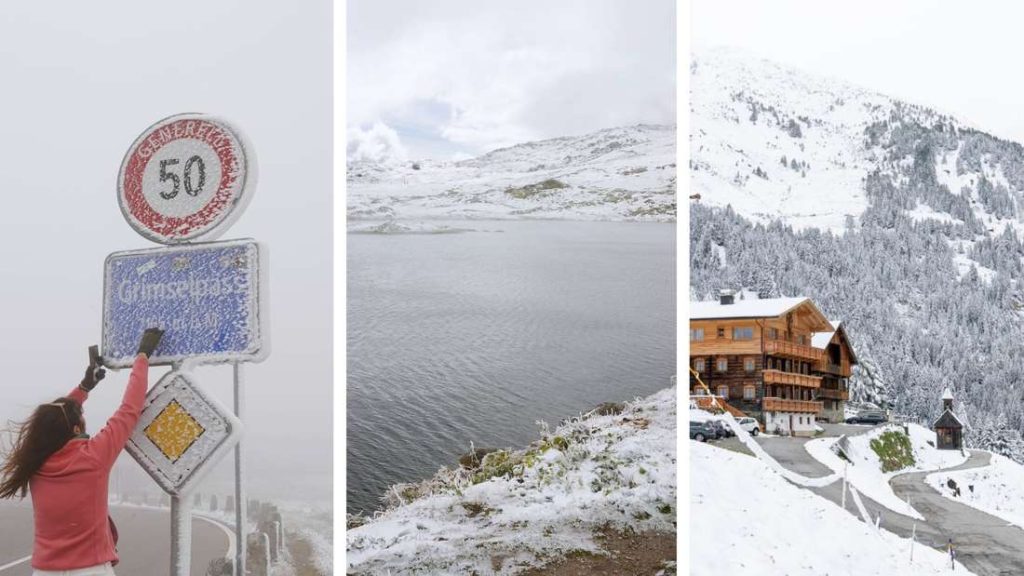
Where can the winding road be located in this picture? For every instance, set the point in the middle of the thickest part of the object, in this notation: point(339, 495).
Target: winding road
point(144, 547)
point(986, 545)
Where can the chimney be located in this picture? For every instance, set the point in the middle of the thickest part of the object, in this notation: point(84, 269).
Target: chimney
point(947, 400)
point(726, 297)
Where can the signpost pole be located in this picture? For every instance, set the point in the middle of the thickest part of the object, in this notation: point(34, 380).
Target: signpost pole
point(181, 535)
point(240, 496)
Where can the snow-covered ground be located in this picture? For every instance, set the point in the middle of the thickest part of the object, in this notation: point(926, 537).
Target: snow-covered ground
point(530, 506)
point(745, 519)
point(997, 488)
point(864, 470)
point(626, 173)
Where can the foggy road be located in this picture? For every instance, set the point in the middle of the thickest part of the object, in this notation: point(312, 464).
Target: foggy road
point(144, 545)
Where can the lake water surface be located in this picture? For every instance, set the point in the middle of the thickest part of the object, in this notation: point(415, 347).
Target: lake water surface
point(476, 336)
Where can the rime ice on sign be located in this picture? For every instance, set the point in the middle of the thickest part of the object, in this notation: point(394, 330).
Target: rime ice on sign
point(181, 433)
point(173, 431)
point(186, 177)
point(207, 297)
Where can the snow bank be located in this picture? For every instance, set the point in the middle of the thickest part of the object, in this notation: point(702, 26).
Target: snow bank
point(864, 470)
point(997, 488)
point(745, 519)
point(546, 502)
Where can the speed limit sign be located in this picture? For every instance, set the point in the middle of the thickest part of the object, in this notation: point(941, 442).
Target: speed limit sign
point(187, 177)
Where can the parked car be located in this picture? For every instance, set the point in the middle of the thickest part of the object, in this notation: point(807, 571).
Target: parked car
point(702, 431)
point(750, 425)
point(868, 417)
point(723, 429)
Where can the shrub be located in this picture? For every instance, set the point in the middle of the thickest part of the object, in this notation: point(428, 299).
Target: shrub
point(894, 450)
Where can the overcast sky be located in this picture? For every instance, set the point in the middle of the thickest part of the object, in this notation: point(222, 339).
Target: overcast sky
point(957, 57)
point(462, 77)
point(80, 82)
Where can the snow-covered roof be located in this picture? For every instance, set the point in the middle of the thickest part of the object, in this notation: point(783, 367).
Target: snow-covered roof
point(948, 420)
point(746, 308)
point(947, 395)
point(821, 339)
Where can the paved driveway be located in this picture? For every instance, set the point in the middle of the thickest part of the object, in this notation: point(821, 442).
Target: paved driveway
point(985, 544)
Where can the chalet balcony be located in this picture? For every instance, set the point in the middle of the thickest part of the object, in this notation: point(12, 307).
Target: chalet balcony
point(832, 394)
point(786, 405)
point(791, 378)
point(786, 349)
point(830, 368)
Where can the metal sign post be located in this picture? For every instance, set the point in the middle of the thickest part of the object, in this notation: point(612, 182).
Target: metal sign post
point(181, 535)
point(185, 179)
point(241, 503)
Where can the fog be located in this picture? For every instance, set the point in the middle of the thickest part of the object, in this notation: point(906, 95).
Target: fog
point(80, 83)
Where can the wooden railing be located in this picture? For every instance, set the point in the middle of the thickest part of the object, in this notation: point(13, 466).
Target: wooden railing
point(780, 377)
point(830, 368)
point(785, 405)
point(833, 394)
point(793, 350)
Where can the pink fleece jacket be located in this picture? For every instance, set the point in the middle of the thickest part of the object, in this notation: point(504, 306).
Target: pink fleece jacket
point(69, 493)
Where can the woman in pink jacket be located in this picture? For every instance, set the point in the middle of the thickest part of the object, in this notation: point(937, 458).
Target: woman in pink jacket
point(67, 472)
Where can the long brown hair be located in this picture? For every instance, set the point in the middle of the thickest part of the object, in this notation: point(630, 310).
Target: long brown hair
point(46, 431)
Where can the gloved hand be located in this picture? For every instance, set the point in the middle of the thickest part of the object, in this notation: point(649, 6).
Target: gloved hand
point(93, 374)
point(150, 340)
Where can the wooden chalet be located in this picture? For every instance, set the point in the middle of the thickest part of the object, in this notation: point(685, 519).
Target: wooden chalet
point(759, 355)
point(835, 369)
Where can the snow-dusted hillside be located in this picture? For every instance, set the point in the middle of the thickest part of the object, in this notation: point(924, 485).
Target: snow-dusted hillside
point(749, 520)
point(774, 142)
point(626, 173)
point(529, 507)
point(748, 115)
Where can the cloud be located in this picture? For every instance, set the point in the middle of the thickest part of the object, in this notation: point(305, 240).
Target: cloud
point(484, 75)
point(379, 143)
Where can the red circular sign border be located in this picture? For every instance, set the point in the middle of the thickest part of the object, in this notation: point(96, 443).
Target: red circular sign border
point(213, 217)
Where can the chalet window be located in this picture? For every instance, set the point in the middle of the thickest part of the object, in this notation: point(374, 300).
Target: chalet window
point(773, 333)
point(697, 334)
point(698, 364)
point(802, 339)
point(723, 391)
point(722, 365)
point(749, 364)
point(721, 332)
point(749, 392)
point(742, 333)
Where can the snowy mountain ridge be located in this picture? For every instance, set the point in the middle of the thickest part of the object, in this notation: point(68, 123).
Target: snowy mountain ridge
point(626, 173)
point(774, 142)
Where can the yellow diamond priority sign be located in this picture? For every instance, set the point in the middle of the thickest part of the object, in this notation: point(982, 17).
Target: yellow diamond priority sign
point(173, 431)
point(182, 433)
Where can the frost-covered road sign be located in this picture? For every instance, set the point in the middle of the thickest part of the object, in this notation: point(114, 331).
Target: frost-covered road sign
point(186, 177)
point(207, 297)
point(181, 434)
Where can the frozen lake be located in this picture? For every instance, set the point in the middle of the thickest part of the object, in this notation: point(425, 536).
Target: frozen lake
point(475, 336)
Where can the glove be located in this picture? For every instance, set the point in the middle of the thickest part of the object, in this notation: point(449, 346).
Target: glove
point(93, 374)
point(150, 340)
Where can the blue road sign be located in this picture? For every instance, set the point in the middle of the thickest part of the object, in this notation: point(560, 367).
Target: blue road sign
point(208, 298)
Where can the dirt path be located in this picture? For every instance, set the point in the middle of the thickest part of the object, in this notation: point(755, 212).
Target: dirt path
point(644, 554)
